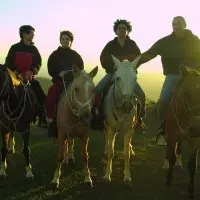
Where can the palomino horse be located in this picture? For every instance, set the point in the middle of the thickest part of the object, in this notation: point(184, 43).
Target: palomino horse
point(73, 119)
point(183, 123)
point(16, 111)
point(120, 108)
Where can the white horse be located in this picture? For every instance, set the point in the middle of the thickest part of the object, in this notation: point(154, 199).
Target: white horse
point(120, 110)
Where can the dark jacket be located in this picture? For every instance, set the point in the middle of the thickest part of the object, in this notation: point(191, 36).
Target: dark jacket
point(63, 59)
point(175, 51)
point(22, 57)
point(129, 51)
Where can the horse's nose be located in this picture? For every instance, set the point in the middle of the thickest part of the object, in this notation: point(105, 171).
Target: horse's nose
point(85, 112)
point(127, 106)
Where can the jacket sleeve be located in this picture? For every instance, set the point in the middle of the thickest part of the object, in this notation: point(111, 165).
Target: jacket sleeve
point(51, 66)
point(10, 59)
point(106, 58)
point(78, 61)
point(37, 60)
point(151, 53)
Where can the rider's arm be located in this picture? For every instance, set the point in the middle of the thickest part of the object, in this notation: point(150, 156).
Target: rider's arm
point(37, 61)
point(151, 53)
point(106, 58)
point(10, 59)
point(51, 66)
point(78, 60)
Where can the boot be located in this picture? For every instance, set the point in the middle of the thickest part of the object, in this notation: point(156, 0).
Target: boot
point(52, 129)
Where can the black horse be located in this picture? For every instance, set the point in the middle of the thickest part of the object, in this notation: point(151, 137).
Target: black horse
point(17, 105)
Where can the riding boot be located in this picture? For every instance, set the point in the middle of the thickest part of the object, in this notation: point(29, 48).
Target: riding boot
point(52, 129)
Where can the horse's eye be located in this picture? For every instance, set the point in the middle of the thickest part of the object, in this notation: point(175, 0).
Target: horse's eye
point(76, 89)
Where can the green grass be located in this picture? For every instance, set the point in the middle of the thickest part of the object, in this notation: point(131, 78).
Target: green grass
point(147, 175)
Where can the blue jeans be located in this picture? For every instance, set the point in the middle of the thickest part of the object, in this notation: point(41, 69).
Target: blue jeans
point(104, 82)
point(108, 79)
point(166, 94)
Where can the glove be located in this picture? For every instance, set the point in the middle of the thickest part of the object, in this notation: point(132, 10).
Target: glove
point(62, 73)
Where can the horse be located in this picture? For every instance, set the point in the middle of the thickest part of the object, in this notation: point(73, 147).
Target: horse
point(17, 103)
point(73, 119)
point(120, 113)
point(182, 123)
point(39, 117)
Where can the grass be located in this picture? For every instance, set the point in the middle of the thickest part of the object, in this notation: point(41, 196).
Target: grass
point(147, 174)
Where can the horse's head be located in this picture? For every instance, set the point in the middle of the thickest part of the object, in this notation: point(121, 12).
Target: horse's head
point(190, 89)
point(4, 82)
point(82, 91)
point(125, 80)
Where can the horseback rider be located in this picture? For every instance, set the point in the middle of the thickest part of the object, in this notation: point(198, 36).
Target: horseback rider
point(122, 47)
point(25, 61)
point(181, 47)
point(60, 61)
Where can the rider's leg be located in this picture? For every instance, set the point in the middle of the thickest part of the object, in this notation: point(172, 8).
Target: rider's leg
point(141, 95)
point(165, 97)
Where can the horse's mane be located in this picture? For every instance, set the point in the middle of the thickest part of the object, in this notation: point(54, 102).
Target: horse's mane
point(193, 71)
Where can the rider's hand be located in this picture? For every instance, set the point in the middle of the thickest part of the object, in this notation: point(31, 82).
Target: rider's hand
point(62, 73)
point(35, 71)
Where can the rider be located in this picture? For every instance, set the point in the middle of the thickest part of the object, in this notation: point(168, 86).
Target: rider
point(181, 47)
point(25, 61)
point(122, 47)
point(60, 61)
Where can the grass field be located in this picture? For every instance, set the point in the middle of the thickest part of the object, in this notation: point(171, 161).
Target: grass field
point(147, 174)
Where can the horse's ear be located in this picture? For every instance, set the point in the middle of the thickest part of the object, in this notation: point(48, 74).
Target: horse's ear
point(75, 70)
point(135, 62)
point(184, 71)
point(116, 61)
point(93, 73)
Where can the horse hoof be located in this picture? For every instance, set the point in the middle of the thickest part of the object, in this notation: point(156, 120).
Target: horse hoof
point(127, 183)
point(191, 197)
point(11, 151)
point(168, 183)
point(3, 177)
point(88, 184)
point(30, 178)
point(54, 186)
point(71, 162)
point(106, 180)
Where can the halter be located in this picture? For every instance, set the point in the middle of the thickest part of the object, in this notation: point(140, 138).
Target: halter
point(186, 106)
point(71, 97)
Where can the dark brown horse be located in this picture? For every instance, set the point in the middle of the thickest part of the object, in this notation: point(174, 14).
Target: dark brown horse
point(17, 103)
point(183, 123)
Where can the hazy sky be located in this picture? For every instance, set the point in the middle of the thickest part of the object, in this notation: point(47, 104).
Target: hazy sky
point(91, 21)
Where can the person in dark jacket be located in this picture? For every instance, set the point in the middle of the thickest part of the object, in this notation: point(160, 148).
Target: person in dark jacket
point(122, 47)
point(59, 61)
point(181, 47)
point(25, 61)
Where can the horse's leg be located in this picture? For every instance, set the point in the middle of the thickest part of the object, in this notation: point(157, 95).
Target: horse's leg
point(127, 141)
point(12, 143)
point(178, 155)
point(106, 145)
point(69, 152)
point(4, 151)
point(110, 152)
point(26, 152)
point(84, 150)
point(171, 156)
point(132, 152)
point(61, 140)
point(192, 166)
